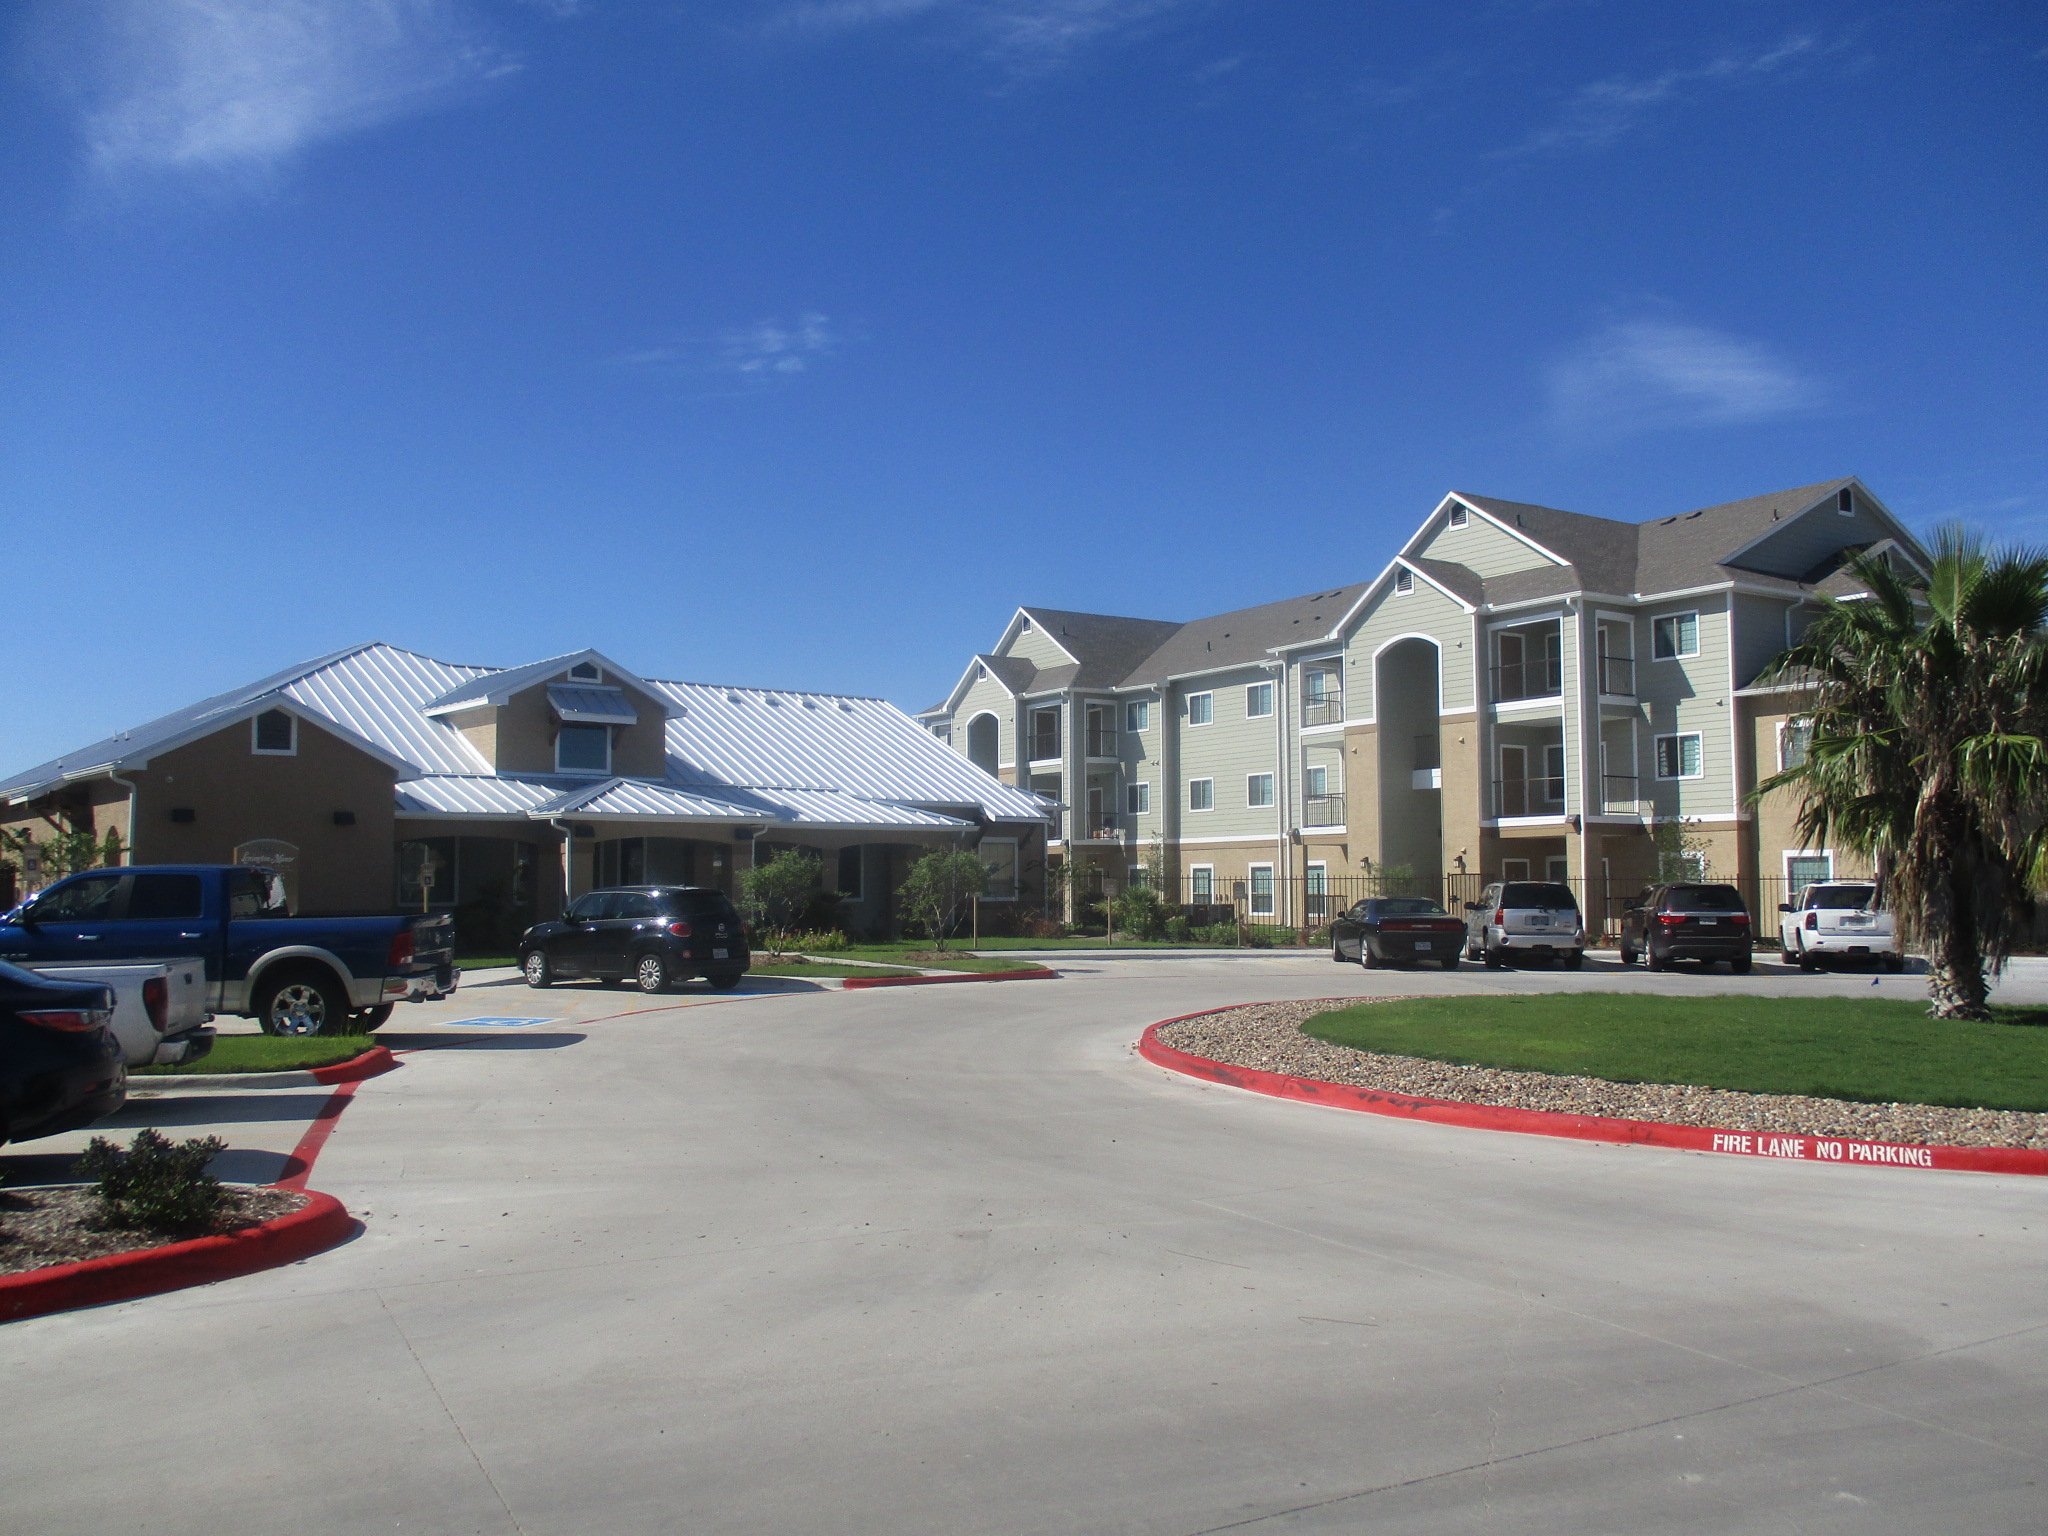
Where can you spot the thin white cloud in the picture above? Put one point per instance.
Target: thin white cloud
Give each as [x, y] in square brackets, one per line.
[756, 354]
[245, 86]
[1022, 36]
[1649, 373]
[1606, 111]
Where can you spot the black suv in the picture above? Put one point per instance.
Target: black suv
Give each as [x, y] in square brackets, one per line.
[1688, 922]
[653, 935]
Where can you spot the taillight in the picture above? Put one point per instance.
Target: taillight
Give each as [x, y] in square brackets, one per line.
[1500, 917]
[679, 928]
[1812, 920]
[1738, 919]
[70, 1021]
[401, 951]
[1670, 919]
[156, 1001]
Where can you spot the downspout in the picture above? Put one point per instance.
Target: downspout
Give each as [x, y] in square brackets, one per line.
[1283, 792]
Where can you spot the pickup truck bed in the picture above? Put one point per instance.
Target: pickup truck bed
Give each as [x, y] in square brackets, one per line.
[160, 1013]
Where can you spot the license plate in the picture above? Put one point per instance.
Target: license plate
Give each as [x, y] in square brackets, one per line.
[1855, 921]
[1421, 944]
[1710, 922]
[718, 954]
[1539, 922]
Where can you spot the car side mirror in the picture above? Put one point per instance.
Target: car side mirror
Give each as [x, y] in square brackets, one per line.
[573, 919]
[1473, 906]
[1784, 906]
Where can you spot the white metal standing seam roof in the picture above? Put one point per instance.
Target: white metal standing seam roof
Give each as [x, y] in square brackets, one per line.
[379, 692]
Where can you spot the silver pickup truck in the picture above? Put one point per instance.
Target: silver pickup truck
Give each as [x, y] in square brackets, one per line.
[160, 1013]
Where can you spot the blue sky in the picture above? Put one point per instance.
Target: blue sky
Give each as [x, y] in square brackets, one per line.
[795, 342]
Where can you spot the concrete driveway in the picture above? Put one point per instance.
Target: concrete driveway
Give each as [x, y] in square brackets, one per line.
[953, 1259]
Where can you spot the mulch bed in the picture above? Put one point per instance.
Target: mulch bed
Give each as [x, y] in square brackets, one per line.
[63, 1223]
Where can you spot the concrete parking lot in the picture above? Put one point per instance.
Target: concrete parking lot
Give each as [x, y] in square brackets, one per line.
[952, 1259]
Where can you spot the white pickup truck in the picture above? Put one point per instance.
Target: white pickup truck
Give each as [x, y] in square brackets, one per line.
[160, 1012]
[1835, 920]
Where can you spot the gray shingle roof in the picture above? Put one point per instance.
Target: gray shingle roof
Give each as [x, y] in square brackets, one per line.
[1687, 549]
[1601, 549]
[1106, 646]
[1245, 635]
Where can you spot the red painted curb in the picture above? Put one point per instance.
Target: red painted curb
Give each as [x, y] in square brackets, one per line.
[372, 1063]
[863, 983]
[319, 1224]
[1543, 1122]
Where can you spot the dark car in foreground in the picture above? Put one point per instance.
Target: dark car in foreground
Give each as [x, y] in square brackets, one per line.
[1688, 922]
[60, 1065]
[651, 935]
[1397, 930]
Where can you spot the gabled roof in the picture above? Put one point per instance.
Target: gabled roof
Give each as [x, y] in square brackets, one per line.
[1106, 646]
[1244, 636]
[497, 687]
[1690, 549]
[1601, 550]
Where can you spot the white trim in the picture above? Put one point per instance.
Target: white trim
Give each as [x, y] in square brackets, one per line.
[1210, 870]
[1138, 790]
[1210, 695]
[1365, 597]
[1235, 837]
[1388, 644]
[1459, 516]
[1808, 719]
[1787, 855]
[620, 677]
[1143, 725]
[257, 749]
[1199, 810]
[966, 747]
[1680, 613]
[1271, 800]
[1013, 632]
[1404, 581]
[604, 772]
[1658, 775]
[1271, 697]
[1251, 891]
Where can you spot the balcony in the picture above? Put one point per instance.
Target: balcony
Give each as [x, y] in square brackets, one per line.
[1101, 740]
[1101, 827]
[1323, 709]
[1540, 796]
[1618, 676]
[1620, 793]
[1045, 746]
[1322, 811]
[1539, 677]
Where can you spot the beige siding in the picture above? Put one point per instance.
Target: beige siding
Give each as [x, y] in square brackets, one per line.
[1687, 695]
[986, 696]
[1144, 762]
[1424, 611]
[1037, 647]
[1480, 546]
[1759, 635]
[1227, 751]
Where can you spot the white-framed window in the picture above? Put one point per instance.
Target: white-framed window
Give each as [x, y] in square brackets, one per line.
[1201, 708]
[1138, 797]
[1514, 869]
[1262, 890]
[1460, 517]
[1201, 794]
[1138, 715]
[1807, 866]
[1404, 582]
[1258, 701]
[1674, 635]
[1258, 789]
[1315, 781]
[1043, 728]
[274, 733]
[583, 749]
[1000, 855]
[1201, 884]
[1136, 875]
[1678, 756]
[1316, 890]
[1795, 738]
[585, 672]
[1556, 868]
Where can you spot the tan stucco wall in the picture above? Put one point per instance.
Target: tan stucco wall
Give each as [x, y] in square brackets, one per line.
[524, 734]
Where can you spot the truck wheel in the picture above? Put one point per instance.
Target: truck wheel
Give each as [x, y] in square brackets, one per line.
[651, 973]
[1494, 958]
[1658, 962]
[302, 1003]
[364, 1020]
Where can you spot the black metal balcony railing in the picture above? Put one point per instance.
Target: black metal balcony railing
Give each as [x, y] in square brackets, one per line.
[1618, 792]
[1542, 796]
[1045, 746]
[1618, 676]
[1322, 810]
[1102, 741]
[1539, 678]
[1323, 709]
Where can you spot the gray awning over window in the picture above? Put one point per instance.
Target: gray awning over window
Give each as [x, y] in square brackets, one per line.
[581, 704]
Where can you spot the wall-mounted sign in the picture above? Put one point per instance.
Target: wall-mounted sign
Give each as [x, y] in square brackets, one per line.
[271, 852]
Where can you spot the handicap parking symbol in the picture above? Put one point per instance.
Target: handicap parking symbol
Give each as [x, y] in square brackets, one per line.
[496, 1023]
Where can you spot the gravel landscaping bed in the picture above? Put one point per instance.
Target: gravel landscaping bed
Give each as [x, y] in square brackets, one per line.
[1268, 1036]
[62, 1224]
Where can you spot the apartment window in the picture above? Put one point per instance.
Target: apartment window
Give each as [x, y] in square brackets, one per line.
[1138, 798]
[1804, 869]
[1262, 890]
[274, 733]
[1000, 855]
[1460, 517]
[1137, 876]
[1258, 790]
[1201, 884]
[1317, 891]
[1045, 734]
[1315, 782]
[1138, 716]
[1673, 635]
[1258, 701]
[1795, 739]
[1201, 794]
[1678, 757]
[1404, 582]
[583, 749]
[1201, 708]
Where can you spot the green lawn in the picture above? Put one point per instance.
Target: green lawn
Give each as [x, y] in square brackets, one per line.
[1081, 941]
[267, 1053]
[1874, 1050]
[484, 962]
[824, 968]
[919, 953]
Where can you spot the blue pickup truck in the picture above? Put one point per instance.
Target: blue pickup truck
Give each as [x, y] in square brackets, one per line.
[293, 975]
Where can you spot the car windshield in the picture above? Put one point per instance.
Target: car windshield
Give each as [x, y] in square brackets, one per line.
[1856, 898]
[1703, 898]
[1410, 906]
[1538, 893]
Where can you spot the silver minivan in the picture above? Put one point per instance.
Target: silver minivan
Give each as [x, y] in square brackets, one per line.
[1533, 919]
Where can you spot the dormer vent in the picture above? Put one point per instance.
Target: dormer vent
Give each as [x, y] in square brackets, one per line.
[1845, 501]
[586, 672]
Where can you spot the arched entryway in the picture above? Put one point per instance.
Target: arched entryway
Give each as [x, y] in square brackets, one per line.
[1405, 690]
[982, 743]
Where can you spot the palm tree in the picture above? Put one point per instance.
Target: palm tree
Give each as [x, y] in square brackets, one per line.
[1927, 753]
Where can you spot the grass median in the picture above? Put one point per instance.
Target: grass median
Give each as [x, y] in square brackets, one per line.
[1868, 1050]
[266, 1053]
[921, 955]
[823, 968]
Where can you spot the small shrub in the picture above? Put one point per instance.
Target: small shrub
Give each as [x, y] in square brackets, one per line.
[1216, 933]
[1177, 928]
[825, 941]
[156, 1184]
[1140, 913]
[1036, 925]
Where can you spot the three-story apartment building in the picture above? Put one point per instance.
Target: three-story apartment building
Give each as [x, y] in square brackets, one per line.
[1520, 692]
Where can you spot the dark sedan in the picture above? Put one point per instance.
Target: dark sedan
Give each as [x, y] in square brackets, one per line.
[651, 935]
[1397, 930]
[60, 1065]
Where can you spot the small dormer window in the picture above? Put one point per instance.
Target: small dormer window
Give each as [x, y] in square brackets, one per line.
[1845, 501]
[274, 733]
[1404, 582]
[1460, 517]
[585, 672]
